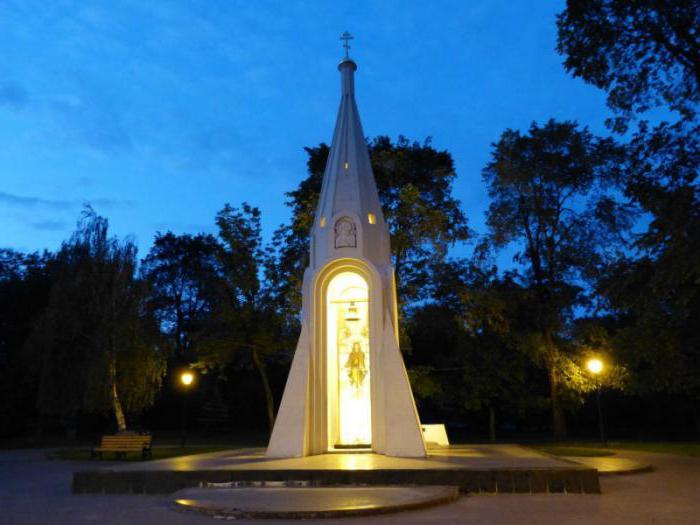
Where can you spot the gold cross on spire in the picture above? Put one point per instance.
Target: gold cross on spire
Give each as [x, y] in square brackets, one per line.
[346, 37]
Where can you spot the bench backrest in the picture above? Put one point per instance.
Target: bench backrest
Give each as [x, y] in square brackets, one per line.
[126, 440]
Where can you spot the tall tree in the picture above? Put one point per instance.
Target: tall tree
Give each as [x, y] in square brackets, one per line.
[243, 329]
[553, 197]
[96, 342]
[646, 54]
[415, 188]
[182, 271]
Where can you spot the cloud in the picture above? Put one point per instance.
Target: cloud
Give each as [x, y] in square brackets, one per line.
[218, 139]
[109, 203]
[22, 201]
[13, 95]
[32, 202]
[91, 122]
[106, 133]
[50, 225]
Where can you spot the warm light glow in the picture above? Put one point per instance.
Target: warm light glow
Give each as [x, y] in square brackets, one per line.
[371, 218]
[349, 402]
[323, 222]
[595, 366]
[347, 165]
[186, 378]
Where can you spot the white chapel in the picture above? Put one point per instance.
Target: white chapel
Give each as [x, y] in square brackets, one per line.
[347, 387]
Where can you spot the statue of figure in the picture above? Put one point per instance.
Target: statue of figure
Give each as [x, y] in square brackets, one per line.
[355, 365]
[345, 233]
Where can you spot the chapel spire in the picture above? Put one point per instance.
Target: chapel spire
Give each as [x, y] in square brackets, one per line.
[349, 189]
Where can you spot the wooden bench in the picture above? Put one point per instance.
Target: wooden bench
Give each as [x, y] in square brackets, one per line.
[121, 444]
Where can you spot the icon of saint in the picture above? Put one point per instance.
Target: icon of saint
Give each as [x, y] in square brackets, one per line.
[355, 366]
[345, 233]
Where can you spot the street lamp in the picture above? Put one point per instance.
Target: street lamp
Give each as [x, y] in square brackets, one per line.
[595, 367]
[186, 379]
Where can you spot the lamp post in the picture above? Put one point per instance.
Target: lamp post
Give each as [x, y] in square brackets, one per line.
[186, 379]
[595, 367]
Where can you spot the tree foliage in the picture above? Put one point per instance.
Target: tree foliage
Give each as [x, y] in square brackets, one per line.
[553, 198]
[244, 328]
[25, 284]
[182, 271]
[96, 342]
[465, 345]
[644, 53]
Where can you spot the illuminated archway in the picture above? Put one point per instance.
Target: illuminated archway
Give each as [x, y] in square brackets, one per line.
[348, 361]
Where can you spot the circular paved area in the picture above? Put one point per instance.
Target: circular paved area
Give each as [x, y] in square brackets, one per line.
[309, 502]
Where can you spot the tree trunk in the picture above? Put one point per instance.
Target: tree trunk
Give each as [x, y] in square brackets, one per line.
[558, 420]
[116, 402]
[492, 425]
[269, 399]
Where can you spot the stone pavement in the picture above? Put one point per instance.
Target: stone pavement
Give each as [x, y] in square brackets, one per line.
[34, 490]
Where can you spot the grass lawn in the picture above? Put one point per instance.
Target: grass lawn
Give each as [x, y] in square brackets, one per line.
[593, 449]
[689, 448]
[158, 453]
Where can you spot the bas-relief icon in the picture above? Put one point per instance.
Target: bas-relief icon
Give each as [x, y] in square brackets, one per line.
[345, 233]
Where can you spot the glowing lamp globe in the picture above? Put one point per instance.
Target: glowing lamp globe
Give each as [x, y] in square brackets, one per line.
[595, 366]
[186, 378]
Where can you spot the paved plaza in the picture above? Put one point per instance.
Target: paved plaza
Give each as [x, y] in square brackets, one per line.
[471, 468]
[454, 457]
[35, 490]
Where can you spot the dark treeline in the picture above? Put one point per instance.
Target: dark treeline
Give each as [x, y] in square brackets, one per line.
[605, 237]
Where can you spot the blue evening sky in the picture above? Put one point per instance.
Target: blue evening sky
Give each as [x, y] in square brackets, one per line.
[157, 113]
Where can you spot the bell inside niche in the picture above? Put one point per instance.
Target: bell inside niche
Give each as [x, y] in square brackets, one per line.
[352, 315]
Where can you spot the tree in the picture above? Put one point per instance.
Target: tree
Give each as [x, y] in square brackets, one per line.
[644, 53]
[415, 188]
[182, 271]
[657, 292]
[466, 352]
[96, 342]
[25, 283]
[552, 196]
[243, 328]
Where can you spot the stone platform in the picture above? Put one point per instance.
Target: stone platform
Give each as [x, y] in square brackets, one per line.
[472, 468]
[309, 503]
